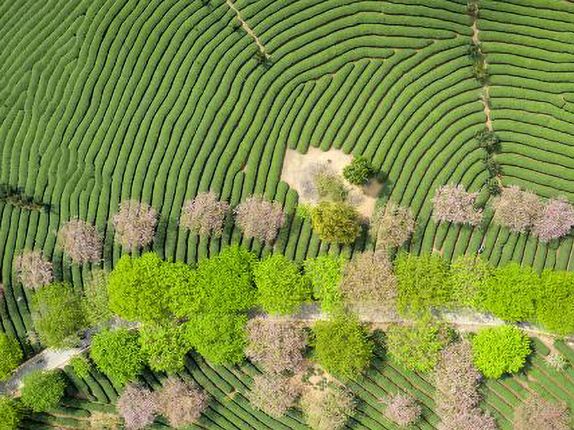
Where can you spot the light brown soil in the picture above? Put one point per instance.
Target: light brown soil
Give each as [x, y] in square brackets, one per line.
[247, 29]
[299, 169]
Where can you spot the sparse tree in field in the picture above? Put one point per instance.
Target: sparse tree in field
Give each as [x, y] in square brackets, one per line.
[277, 346]
[556, 361]
[182, 403]
[43, 391]
[80, 241]
[330, 186]
[33, 270]
[137, 406]
[554, 221]
[402, 409]
[134, 224]
[452, 203]
[10, 355]
[204, 215]
[537, 413]
[259, 218]
[336, 222]
[392, 226]
[273, 394]
[330, 411]
[516, 209]
[369, 277]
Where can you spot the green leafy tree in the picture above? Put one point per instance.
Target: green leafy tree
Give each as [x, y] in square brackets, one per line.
[359, 171]
[95, 302]
[10, 355]
[220, 338]
[164, 346]
[138, 287]
[418, 346]
[43, 391]
[118, 354]
[326, 274]
[342, 346]
[81, 366]
[281, 286]
[11, 413]
[223, 284]
[470, 277]
[511, 293]
[422, 283]
[500, 350]
[336, 222]
[554, 307]
[330, 186]
[58, 315]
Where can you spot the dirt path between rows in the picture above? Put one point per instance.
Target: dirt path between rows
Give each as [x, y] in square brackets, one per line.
[247, 29]
[485, 97]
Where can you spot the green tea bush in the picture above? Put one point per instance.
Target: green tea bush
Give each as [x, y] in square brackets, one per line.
[164, 346]
[500, 350]
[11, 413]
[342, 346]
[117, 353]
[418, 346]
[336, 222]
[359, 171]
[511, 293]
[554, 306]
[326, 274]
[422, 283]
[58, 315]
[43, 391]
[10, 355]
[281, 287]
[81, 366]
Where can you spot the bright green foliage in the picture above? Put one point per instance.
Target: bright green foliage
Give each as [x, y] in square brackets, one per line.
[512, 292]
[336, 222]
[500, 350]
[280, 285]
[469, 277]
[10, 355]
[138, 286]
[359, 171]
[326, 274]
[330, 186]
[81, 366]
[342, 346]
[11, 413]
[555, 308]
[220, 338]
[95, 300]
[418, 346]
[118, 354]
[57, 314]
[43, 391]
[164, 346]
[422, 282]
[223, 284]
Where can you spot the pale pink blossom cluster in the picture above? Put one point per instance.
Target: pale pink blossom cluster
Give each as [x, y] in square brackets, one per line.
[259, 218]
[402, 409]
[204, 215]
[273, 394]
[369, 277]
[392, 226]
[555, 220]
[137, 406]
[134, 224]
[537, 413]
[182, 403]
[80, 241]
[33, 270]
[452, 203]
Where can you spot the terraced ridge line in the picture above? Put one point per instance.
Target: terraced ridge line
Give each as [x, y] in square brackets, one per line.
[248, 29]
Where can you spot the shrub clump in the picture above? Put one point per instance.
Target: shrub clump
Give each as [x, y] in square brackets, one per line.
[516, 209]
[537, 413]
[369, 277]
[204, 215]
[554, 221]
[57, 315]
[259, 218]
[330, 186]
[182, 403]
[277, 346]
[325, 274]
[342, 346]
[80, 241]
[10, 355]
[452, 203]
[273, 394]
[556, 361]
[392, 226]
[336, 222]
[43, 391]
[137, 406]
[33, 270]
[118, 354]
[500, 350]
[402, 409]
[330, 411]
[134, 224]
[418, 346]
[11, 413]
[359, 171]
[280, 285]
